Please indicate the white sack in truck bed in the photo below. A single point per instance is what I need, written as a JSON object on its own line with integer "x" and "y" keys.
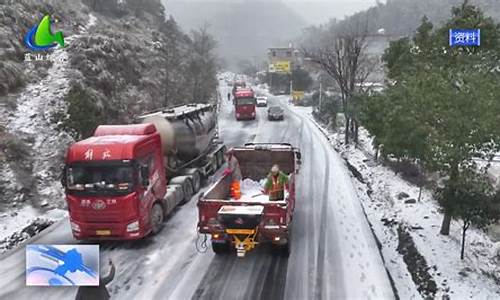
{"x": 251, "y": 191}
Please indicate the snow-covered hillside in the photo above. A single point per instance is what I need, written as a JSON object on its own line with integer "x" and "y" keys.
{"x": 422, "y": 262}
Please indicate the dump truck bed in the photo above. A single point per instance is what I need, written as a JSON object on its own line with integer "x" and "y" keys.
{"x": 255, "y": 162}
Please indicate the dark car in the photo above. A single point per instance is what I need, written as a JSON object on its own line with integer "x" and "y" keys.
{"x": 275, "y": 113}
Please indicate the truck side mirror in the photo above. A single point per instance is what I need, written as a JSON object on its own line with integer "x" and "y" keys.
{"x": 299, "y": 156}
{"x": 145, "y": 176}
{"x": 63, "y": 177}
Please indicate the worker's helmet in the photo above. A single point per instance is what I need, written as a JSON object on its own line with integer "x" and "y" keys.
{"x": 275, "y": 169}
{"x": 229, "y": 151}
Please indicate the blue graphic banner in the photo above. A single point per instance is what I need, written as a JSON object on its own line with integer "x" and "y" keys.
{"x": 62, "y": 265}
{"x": 465, "y": 37}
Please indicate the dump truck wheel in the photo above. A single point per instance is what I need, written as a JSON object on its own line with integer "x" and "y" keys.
{"x": 285, "y": 249}
{"x": 281, "y": 250}
{"x": 219, "y": 248}
{"x": 156, "y": 218}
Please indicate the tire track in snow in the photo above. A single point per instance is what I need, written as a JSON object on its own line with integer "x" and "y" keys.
{"x": 322, "y": 233}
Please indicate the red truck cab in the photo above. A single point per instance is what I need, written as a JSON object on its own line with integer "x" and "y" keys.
{"x": 113, "y": 182}
{"x": 244, "y": 104}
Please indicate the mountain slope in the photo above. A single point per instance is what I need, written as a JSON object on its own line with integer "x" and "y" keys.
{"x": 115, "y": 65}
{"x": 402, "y": 17}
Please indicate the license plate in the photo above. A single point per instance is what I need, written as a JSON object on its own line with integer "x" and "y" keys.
{"x": 103, "y": 232}
{"x": 219, "y": 241}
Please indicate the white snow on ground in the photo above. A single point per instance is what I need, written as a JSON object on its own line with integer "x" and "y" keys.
{"x": 470, "y": 278}
{"x": 13, "y": 223}
{"x": 22, "y": 217}
{"x": 15, "y": 220}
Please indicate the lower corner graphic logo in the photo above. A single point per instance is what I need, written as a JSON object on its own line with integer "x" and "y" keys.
{"x": 53, "y": 265}
{"x": 40, "y": 37}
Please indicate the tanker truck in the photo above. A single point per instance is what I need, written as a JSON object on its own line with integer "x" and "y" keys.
{"x": 124, "y": 180}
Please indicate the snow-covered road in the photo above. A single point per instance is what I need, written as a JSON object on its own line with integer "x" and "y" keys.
{"x": 334, "y": 254}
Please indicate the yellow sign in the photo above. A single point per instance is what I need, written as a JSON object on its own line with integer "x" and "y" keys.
{"x": 297, "y": 95}
{"x": 280, "y": 67}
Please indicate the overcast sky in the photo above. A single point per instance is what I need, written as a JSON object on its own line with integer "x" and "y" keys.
{"x": 320, "y": 11}
{"x": 317, "y": 11}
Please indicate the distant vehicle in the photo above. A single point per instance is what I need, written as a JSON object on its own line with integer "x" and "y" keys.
{"x": 244, "y": 104}
{"x": 121, "y": 182}
{"x": 238, "y": 84}
{"x": 243, "y": 224}
{"x": 262, "y": 101}
{"x": 275, "y": 113}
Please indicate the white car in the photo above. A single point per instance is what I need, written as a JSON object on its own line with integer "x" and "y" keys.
{"x": 261, "y": 101}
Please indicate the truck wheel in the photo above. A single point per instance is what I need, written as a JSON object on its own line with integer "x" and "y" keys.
{"x": 281, "y": 250}
{"x": 188, "y": 191}
{"x": 285, "y": 249}
{"x": 156, "y": 218}
{"x": 196, "y": 182}
{"x": 219, "y": 248}
{"x": 196, "y": 179}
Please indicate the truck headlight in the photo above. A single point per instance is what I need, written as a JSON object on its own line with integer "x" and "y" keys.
{"x": 237, "y": 115}
{"x": 253, "y": 113}
{"x": 75, "y": 227}
{"x": 271, "y": 222}
{"x": 134, "y": 226}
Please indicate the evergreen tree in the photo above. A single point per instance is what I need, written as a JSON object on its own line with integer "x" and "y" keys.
{"x": 441, "y": 106}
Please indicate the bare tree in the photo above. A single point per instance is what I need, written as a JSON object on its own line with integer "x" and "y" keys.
{"x": 342, "y": 55}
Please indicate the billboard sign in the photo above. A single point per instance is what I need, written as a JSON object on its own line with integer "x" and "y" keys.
{"x": 282, "y": 67}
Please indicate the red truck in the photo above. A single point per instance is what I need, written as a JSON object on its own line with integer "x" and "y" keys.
{"x": 245, "y": 104}
{"x": 122, "y": 182}
{"x": 253, "y": 219}
{"x": 238, "y": 84}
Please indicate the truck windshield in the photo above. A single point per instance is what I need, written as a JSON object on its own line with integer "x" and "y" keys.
{"x": 245, "y": 101}
{"x": 99, "y": 179}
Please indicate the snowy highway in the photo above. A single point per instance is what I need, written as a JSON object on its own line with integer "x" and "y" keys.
{"x": 333, "y": 252}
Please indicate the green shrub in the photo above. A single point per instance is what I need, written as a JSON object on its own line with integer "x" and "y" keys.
{"x": 83, "y": 113}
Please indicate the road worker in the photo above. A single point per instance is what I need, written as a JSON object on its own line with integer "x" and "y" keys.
{"x": 275, "y": 184}
{"x": 233, "y": 170}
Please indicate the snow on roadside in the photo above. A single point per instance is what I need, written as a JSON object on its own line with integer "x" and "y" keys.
{"x": 394, "y": 215}
{"x": 19, "y": 225}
